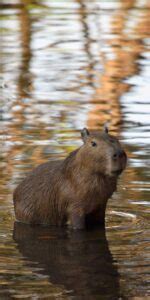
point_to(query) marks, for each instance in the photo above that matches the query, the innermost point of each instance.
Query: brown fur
(74, 190)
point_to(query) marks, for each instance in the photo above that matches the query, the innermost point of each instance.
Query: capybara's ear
(84, 134)
(105, 128)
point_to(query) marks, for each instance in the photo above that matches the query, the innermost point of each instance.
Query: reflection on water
(68, 260)
(65, 65)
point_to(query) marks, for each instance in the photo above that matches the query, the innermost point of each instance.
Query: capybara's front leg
(77, 221)
(96, 217)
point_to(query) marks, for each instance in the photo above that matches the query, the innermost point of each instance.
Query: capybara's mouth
(117, 172)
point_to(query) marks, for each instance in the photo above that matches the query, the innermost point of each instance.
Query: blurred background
(65, 65)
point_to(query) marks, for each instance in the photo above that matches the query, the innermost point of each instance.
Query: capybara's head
(102, 152)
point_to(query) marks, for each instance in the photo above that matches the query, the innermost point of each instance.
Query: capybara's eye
(112, 141)
(93, 144)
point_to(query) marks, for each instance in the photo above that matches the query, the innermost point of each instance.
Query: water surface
(65, 65)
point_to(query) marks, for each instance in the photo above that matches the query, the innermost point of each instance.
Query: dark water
(65, 65)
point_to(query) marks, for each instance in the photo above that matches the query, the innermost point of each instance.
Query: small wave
(123, 214)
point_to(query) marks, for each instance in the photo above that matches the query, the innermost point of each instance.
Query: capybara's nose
(118, 154)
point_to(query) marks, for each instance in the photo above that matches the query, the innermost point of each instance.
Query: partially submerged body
(74, 190)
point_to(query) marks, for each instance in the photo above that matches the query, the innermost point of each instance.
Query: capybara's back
(36, 197)
(74, 190)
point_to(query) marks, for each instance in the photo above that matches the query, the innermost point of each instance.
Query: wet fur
(66, 191)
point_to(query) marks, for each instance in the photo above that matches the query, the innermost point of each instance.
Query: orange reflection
(126, 47)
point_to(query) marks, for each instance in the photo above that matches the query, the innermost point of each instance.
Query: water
(66, 65)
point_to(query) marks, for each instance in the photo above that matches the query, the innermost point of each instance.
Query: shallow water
(66, 65)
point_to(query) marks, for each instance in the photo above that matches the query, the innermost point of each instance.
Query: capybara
(75, 190)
